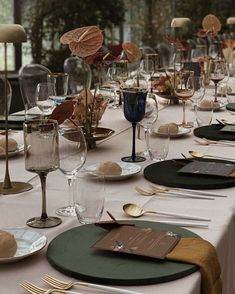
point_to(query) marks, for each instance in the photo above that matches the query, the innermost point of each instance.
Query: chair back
(30, 76)
(79, 74)
(2, 96)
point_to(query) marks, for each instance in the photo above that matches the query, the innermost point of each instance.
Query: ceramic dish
(19, 149)
(182, 132)
(29, 242)
(128, 170)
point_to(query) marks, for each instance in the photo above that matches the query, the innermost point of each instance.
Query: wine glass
(184, 90)
(119, 74)
(60, 81)
(150, 117)
(147, 70)
(217, 71)
(44, 93)
(199, 92)
(73, 151)
(134, 111)
(42, 157)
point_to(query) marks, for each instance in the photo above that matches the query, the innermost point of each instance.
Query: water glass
(60, 80)
(89, 197)
(204, 112)
(44, 94)
(158, 146)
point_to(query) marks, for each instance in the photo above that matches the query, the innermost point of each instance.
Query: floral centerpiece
(86, 109)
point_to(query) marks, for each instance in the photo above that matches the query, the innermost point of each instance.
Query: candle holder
(10, 33)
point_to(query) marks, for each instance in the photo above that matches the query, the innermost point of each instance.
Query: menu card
(138, 241)
(228, 128)
(211, 168)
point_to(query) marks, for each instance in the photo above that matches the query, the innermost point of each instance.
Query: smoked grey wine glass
(42, 157)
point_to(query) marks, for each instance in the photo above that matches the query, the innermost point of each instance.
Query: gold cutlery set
(59, 286)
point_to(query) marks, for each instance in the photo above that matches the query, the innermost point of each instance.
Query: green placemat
(14, 122)
(212, 132)
(230, 106)
(70, 253)
(166, 173)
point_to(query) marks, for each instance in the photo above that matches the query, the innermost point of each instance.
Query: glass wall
(144, 22)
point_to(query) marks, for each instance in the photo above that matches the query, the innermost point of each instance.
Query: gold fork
(67, 285)
(33, 289)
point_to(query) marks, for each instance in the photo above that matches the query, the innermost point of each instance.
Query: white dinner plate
(19, 149)
(182, 132)
(28, 243)
(128, 170)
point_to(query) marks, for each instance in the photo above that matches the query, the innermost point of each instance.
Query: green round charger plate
(71, 254)
(212, 132)
(230, 106)
(166, 173)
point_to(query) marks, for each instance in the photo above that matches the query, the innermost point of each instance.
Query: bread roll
(12, 144)
(170, 128)
(8, 245)
(205, 104)
(109, 168)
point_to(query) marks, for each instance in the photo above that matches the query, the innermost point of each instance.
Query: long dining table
(16, 209)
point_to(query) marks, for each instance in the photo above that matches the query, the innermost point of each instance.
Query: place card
(228, 128)
(138, 241)
(210, 168)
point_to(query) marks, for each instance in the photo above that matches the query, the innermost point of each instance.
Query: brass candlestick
(10, 33)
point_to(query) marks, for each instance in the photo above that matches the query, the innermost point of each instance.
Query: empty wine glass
(72, 150)
(42, 157)
(44, 93)
(217, 71)
(184, 90)
(150, 117)
(134, 111)
(60, 80)
(147, 70)
(199, 92)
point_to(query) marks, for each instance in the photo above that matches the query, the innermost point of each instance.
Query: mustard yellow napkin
(202, 253)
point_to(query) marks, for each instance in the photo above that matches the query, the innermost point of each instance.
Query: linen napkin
(202, 253)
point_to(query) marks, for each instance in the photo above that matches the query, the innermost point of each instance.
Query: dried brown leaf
(83, 41)
(132, 52)
(211, 23)
(63, 111)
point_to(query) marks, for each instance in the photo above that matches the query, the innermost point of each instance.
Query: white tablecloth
(16, 209)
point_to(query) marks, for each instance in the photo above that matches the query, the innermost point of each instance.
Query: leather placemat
(166, 173)
(212, 132)
(71, 254)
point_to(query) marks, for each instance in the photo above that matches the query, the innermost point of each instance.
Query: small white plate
(128, 170)
(182, 132)
(19, 149)
(28, 243)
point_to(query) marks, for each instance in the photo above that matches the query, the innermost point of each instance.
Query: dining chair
(79, 74)
(2, 96)
(30, 76)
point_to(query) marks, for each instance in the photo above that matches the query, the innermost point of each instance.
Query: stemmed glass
(217, 71)
(147, 69)
(199, 92)
(73, 151)
(184, 90)
(42, 157)
(150, 117)
(60, 81)
(44, 94)
(134, 111)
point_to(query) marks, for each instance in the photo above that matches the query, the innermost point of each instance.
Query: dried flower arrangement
(86, 109)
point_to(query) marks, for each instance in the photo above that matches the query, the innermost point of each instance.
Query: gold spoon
(204, 141)
(134, 210)
(228, 122)
(201, 155)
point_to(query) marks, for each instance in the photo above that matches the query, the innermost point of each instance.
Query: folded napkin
(202, 253)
